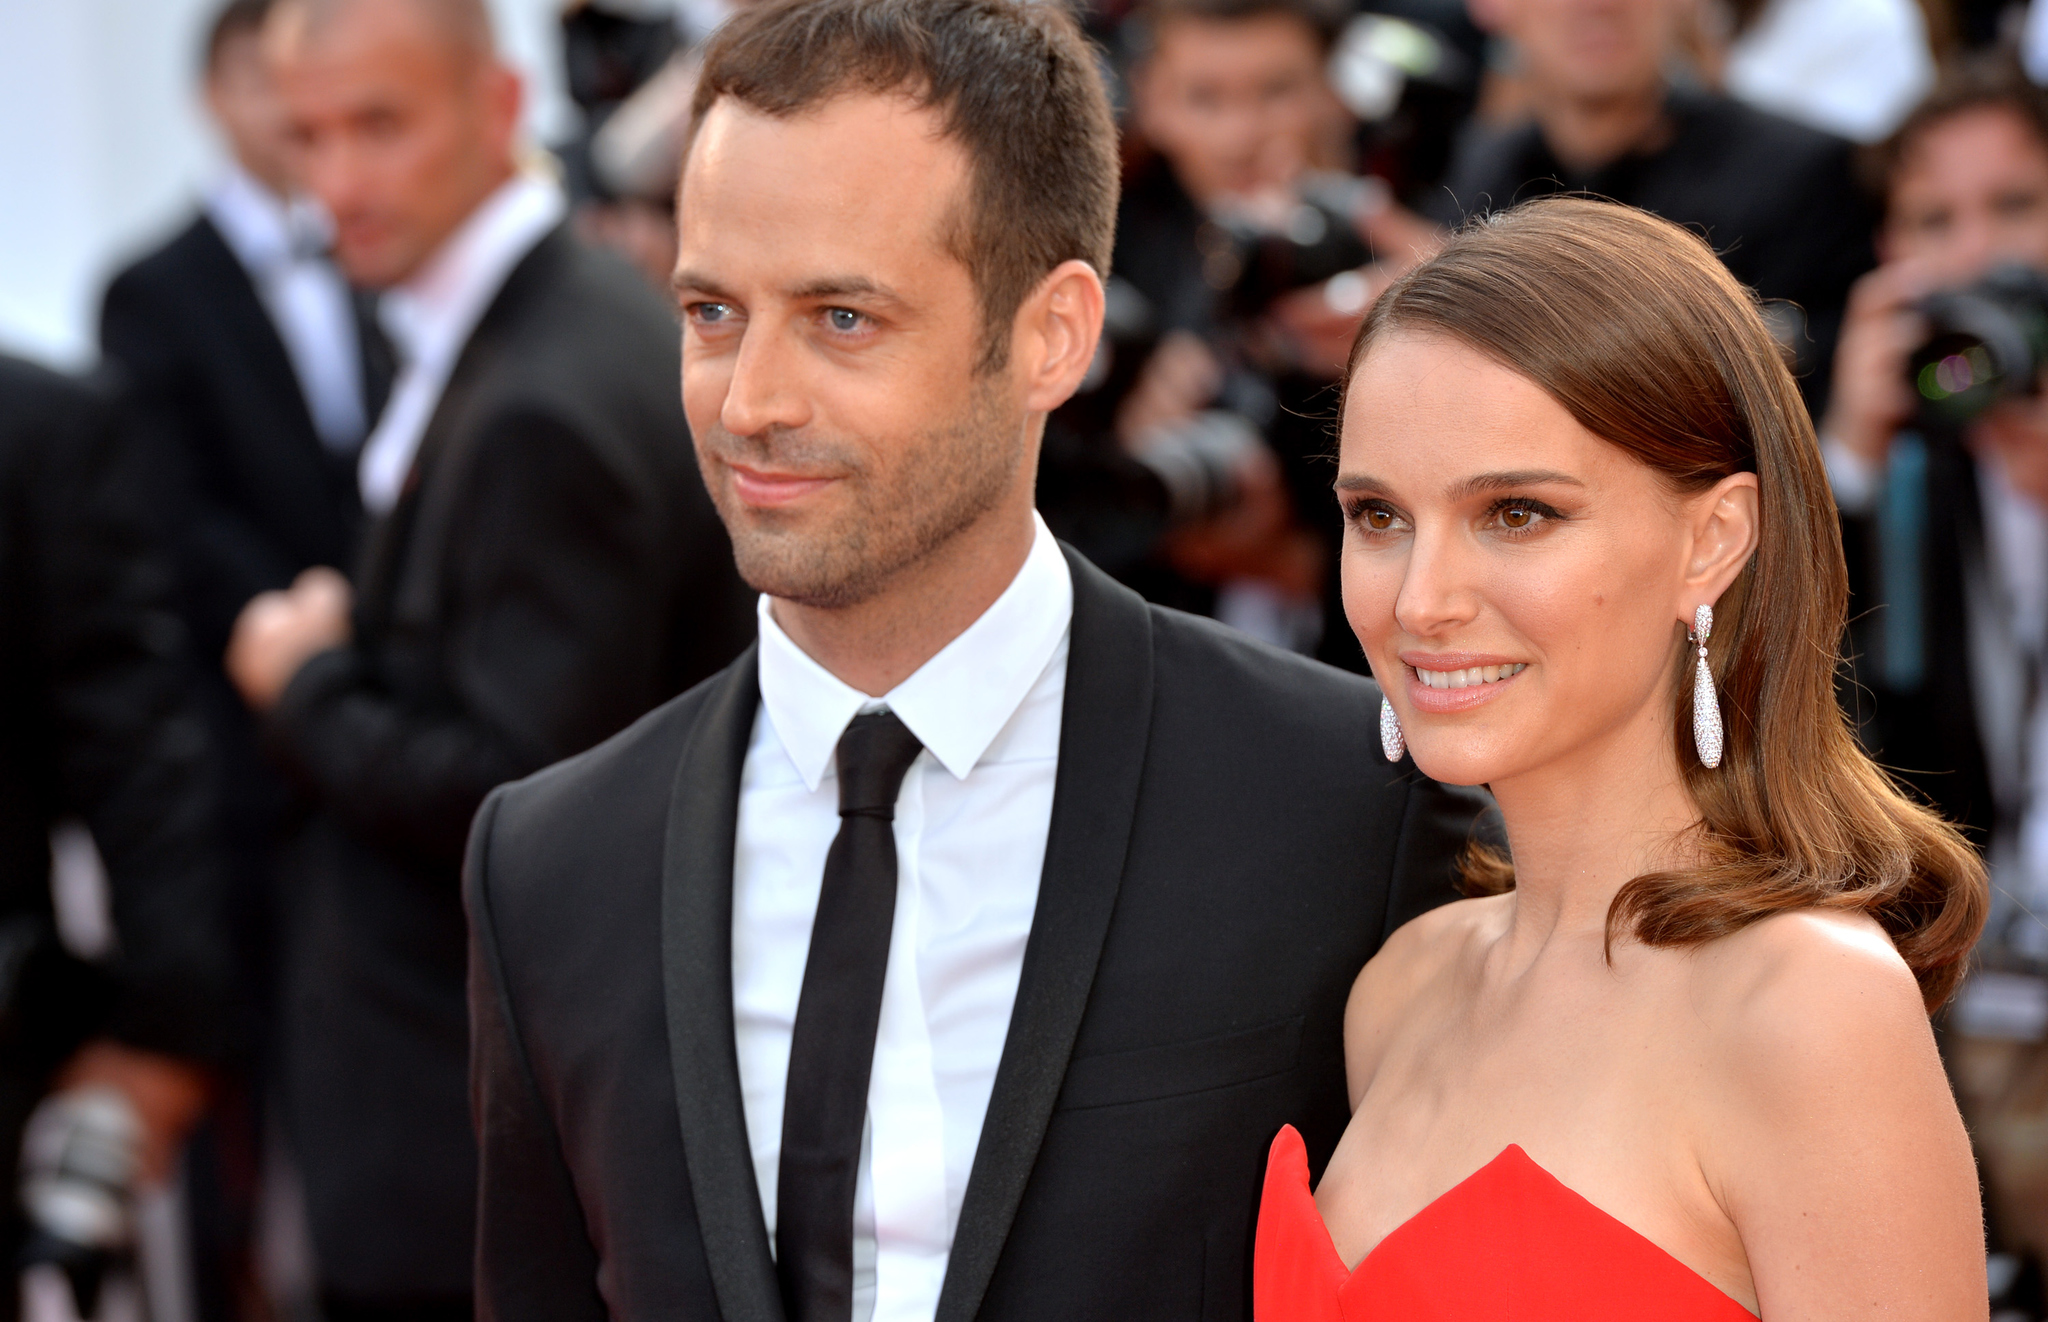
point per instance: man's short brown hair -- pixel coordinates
(1014, 82)
(1324, 18)
(236, 18)
(1985, 82)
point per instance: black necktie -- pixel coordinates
(832, 1049)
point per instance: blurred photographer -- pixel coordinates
(1222, 345)
(1936, 441)
(97, 722)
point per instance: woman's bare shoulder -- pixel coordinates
(1819, 1086)
(1419, 953)
(1804, 974)
(1809, 1018)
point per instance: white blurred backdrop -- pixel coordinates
(103, 142)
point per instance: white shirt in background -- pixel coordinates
(283, 246)
(1851, 67)
(971, 824)
(429, 319)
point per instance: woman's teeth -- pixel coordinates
(1465, 679)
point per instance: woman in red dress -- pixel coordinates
(1673, 1061)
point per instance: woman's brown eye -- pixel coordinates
(1517, 516)
(1378, 520)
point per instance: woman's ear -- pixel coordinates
(1724, 535)
(1057, 330)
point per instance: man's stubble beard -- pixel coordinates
(944, 481)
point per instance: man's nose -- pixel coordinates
(765, 389)
(332, 172)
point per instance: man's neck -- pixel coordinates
(270, 181)
(485, 188)
(875, 645)
(1591, 133)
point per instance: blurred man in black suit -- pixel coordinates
(244, 350)
(97, 721)
(545, 565)
(1777, 200)
(252, 385)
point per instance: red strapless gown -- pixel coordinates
(1510, 1244)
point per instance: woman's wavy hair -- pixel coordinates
(1638, 330)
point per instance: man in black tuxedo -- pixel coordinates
(244, 355)
(958, 951)
(544, 567)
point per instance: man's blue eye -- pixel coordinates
(712, 311)
(844, 319)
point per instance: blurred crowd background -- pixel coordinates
(351, 482)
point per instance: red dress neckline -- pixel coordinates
(1510, 1243)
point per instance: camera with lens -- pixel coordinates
(1254, 255)
(1986, 342)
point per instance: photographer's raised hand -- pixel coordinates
(1871, 397)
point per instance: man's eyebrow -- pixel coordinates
(1480, 483)
(830, 286)
(696, 280)
(845, 286)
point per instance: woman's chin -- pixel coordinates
(1449, 763)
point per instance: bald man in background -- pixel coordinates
(543, 566)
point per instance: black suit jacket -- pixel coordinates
(215, 401)
(97, 721)
(553, 569)
(1227, 849)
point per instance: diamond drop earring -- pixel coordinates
(1392, 743)
(1706, 704)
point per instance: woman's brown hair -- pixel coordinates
(1638, 330)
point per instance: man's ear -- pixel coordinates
(1056, 333)
(505, 98)
(1725, 531)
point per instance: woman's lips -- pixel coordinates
(763, 490)
(1423, 697)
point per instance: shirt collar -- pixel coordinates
(252, 219)
(957, 702)
(431, 315)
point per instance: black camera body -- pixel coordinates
(1253, 260)
(1986, 342)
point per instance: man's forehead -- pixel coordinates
(863, 173)
(1989, 126)
(861, 128)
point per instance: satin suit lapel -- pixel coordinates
(696, 956)
(1104, 725)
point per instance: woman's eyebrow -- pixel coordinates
(1481, 483)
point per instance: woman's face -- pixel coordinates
(1517, 582)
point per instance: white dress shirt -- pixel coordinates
(429, 319)
(283, 247)
(970, 829)
(1850, 67)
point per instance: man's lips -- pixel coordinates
(763, 488)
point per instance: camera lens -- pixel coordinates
(1986, 342)
(1957, 377)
